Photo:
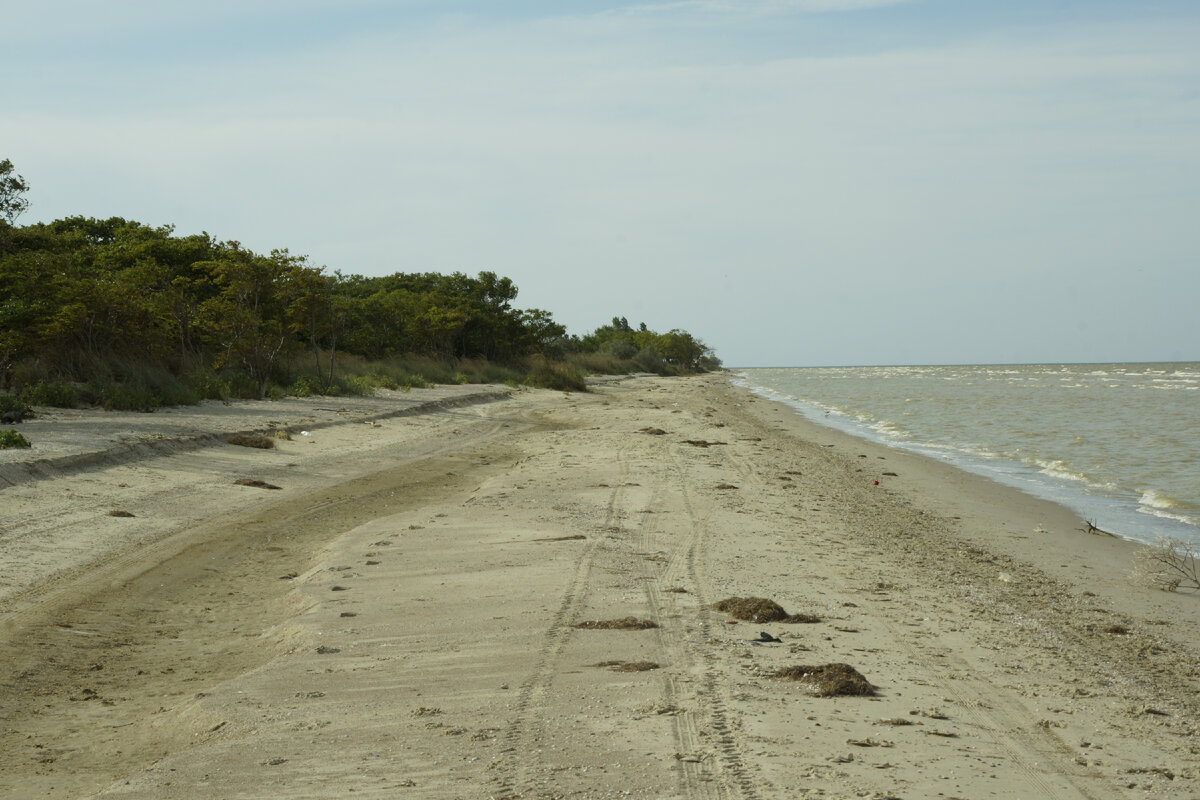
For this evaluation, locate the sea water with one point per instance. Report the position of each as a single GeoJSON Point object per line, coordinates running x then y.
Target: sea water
{"type": "Point", "coordinates": [1117, 443]}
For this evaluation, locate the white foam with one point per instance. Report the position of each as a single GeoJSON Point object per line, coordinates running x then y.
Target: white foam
{"type": "Point", "coordinates": [1157, 512]}
{"type": "Point", "coordinates": [1155, 499]}
{"type": "Point", "coordinates": [1058, 469]}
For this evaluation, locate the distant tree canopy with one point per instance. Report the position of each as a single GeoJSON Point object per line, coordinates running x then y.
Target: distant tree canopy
{"type": "Point", "coordinates": [676, 348]}
{"type": "Point", "coordinates": [79, 291]}
{"type": "Point", "coordinates": [81, 296]}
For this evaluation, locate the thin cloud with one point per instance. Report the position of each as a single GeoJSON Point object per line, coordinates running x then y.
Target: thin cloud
{"type": "Point", "coordinates": [761, 7]}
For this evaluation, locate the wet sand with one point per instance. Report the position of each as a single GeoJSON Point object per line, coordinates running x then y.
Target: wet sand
{"type": "Point", "coordinates": [399, 618]}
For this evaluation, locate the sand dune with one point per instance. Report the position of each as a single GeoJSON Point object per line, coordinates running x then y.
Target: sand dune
{"type": "Point", "coordinates": [408, 615]}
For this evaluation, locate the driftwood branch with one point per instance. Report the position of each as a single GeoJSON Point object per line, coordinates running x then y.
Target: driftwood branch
{"type": "Point", "coordinates": [1090, 527]}
{"type": "Point", "coordinates": [1171, 565]}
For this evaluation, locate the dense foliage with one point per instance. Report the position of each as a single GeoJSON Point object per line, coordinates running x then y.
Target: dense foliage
{"type": "Point", "coordinates": [672, 352]}
{"type": "Point", "coordinates": [131, 316]}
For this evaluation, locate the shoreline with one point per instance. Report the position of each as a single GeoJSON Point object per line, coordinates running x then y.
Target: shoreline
{"type": "Point", "coordinates": [400, 619]}
{"type": "Point", "coordinates": [1048, 534]}
{"type": "Point", "coordinates": [1121, 510]}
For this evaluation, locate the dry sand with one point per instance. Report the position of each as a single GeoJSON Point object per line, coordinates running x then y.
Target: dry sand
{"type": "Point", "coordinates": [399, 618]}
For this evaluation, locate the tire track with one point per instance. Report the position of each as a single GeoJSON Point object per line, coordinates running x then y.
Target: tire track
{"type": "Point", "coordinates": [712, 722]}
{"type": "Point", "coordinates": [696, 774]}
{"type": "Point", "coordinates": [516, 776]}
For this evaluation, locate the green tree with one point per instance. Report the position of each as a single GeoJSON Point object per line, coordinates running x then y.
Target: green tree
{"type": "Point", "coordinates": [679, 348]}
{"type": "Point", "coordinates": [319, 314]}
{"type": "Point", "coordinates": [542, 333]}
{"type": "Point", "coordinates": [27, 294]}
{"type": "Point", "coordinates": [12, 193]}
{"type": "Point", "coordinates": [248, 319]}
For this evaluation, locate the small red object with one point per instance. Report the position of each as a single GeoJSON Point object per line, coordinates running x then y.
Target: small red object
{"type": "Point", "coordinates": [876, 483]}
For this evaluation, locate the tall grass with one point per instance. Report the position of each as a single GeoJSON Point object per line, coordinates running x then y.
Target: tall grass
{"type": "Point", "coordinates": [602, 363]}
{"type": "Point", "coordinates": [546, 374]}
{"type": "Point", "coordinates": [137, 386]}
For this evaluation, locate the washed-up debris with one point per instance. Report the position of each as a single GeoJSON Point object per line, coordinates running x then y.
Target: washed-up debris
{"type": "Point", "coordinates": [760, 609]}
{"type": "Point", "coordinates": [623, 624]}
{"type": "Point", "coordinates": [828, 680]}
{"type": "Point", "coordinates": [255, 483]}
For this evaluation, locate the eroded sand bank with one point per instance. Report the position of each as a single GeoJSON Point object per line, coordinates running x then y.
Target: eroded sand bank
{"type": "Point", "coordinates": [398, 620]}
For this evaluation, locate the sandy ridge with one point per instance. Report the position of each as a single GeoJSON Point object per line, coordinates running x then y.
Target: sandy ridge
{"type": "Point", "coordinates": [73, 450]}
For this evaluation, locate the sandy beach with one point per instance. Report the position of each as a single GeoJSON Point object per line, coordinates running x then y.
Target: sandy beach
{"type": "Point", "coordinates": [445, 597]}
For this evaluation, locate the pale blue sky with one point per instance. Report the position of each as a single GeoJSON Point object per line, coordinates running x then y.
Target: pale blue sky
{"type": "Point", "coordinates": [794, 181]}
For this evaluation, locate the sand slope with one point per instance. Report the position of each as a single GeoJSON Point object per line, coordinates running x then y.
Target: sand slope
{"type": "Point", "coordinates": [399, 620]}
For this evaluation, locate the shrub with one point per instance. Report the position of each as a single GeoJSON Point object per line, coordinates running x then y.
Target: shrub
{"type": "Point", "coordinates": [207, 385]}
{"type": "Point", "coordinates": [358, 386]}
{"type": "Point", "coordinates": [174, 392]}
{"type": "Point", "coordinates": [145, 393]}
{"type": "Point", "coordinates": [10, 402]}
{"type": "Point", "coordinates": [619, 349]}
{"type": "Point", "coordinates": [11, 439]}
{"type": "Point", "coordinates": [58, 395]}
{"type": "Point", "coordinates": [130, 385]}
{"type": "Point", "coordinates": [129, 397]}
{"type": "Point", "coordinates": [241, 387]}
{"type": "Point", "coordinates": [383, 381]}
{"type": "Point", "coordinates": [650, 361]}
{"type": "Point", "coordinates": [305, 386]}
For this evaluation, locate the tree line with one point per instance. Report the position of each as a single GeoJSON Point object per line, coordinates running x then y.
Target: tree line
{"type": "Point", "coordinates": [136, 315]}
